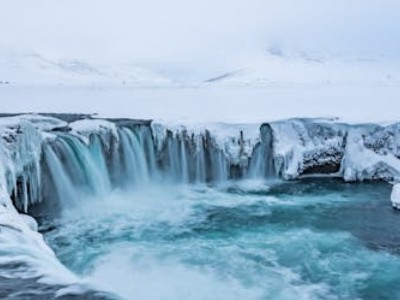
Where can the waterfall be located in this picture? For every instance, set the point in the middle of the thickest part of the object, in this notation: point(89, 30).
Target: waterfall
point(134, 160)
point(94, 173)
point(262, 162)
point(200, 167)
point(70, 165)
point(65, 189)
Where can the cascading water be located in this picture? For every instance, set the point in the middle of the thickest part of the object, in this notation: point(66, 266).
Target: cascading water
point(133, 158)
point(262, 162)
point(90, 167)
point(77, 167)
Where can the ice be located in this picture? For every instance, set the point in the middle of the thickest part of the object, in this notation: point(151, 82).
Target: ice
point(236, 140)
point(192, 151)
point(395, 197)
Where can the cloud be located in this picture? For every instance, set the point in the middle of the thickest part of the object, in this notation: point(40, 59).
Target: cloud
point(194, 34)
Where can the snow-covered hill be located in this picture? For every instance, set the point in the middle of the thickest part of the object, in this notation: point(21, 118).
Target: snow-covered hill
point(279, 68)
point(273, 68)
point(32, 69)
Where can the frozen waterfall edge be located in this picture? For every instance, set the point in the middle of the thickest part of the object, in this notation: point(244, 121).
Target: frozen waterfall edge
point(66, 155)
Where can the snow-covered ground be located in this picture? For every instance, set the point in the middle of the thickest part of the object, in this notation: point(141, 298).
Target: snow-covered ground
point(275, 85)
point(211, 104)
point(273, 68)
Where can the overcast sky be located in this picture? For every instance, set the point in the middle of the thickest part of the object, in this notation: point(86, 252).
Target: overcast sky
point(186, 35)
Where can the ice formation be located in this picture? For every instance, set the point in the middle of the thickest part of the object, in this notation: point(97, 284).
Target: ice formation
point(43, 154)
point(354, 152)
point(395, 197)
point(20, 179)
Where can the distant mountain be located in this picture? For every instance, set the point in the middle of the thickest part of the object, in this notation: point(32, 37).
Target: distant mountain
point(35, 69)
point(276, 67)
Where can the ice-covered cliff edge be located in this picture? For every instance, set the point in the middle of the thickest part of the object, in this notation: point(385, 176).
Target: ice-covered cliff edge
point(89, 151)
point(24, 253)
point(353, 152)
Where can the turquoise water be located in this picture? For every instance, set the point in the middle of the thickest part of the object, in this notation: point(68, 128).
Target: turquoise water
point(310, 239)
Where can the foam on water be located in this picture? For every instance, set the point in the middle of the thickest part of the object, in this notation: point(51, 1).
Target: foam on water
point(244, 241)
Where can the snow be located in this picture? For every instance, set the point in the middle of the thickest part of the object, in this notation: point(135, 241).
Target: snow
point(211, 104)
point(277, 68)
point(84, 128)
point(33, 69)
point(22, 245)
point(361, 163)
point(37, 121)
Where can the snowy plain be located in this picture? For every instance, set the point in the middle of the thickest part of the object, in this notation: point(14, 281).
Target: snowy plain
point(353, 104)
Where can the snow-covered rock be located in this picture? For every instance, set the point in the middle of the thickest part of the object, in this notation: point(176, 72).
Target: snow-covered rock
point(371, 153)
point(354, 152)
point(304, 146)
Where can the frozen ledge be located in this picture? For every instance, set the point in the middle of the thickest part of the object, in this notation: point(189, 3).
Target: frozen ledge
point(299, 147)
